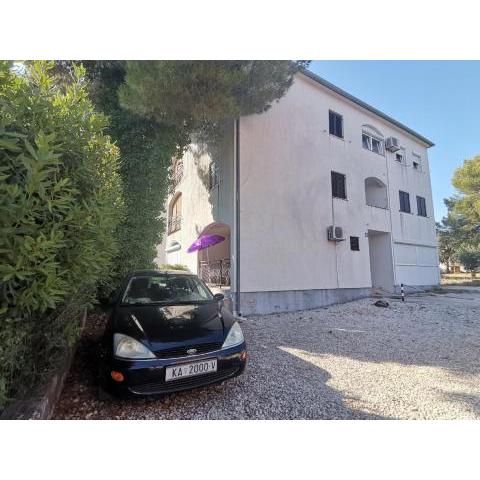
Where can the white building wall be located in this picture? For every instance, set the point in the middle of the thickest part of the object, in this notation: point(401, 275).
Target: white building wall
point(286, 158)
point(200, 205)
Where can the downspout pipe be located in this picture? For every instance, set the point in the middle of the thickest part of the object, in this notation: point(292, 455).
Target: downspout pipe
point(237, 216)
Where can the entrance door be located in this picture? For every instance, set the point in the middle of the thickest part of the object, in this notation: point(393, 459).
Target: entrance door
point(381, 263)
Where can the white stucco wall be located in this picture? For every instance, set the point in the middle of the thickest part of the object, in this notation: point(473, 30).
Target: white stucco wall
point(286, 158)
point(200, 205)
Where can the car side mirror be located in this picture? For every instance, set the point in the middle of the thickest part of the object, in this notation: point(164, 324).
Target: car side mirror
point(218, 297)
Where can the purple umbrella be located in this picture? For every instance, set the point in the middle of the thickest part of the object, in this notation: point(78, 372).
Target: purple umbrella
point(204, 241)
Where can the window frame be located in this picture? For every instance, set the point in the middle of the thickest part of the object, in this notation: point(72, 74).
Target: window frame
point(213, 175)
point(417, 159)
point(334, 173)
point(356, 243)
point(369, 147)
point(335, 115)
point(402, 198)
point(422, 212)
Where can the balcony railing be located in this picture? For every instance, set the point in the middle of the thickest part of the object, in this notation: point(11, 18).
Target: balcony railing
point(174, 224)
point(215, 272)
point(177, 176)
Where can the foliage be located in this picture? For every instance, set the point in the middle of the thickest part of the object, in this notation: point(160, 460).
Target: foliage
point(60, 202)
point(452, 233)
point(469, 257)
point(192, 94)
point(467, 181)
point(174, 266)
point(147, 149)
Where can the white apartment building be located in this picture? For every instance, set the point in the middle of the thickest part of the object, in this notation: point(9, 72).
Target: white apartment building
point(320, 199)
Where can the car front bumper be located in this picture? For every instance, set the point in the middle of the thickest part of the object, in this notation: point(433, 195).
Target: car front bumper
point(147, 377)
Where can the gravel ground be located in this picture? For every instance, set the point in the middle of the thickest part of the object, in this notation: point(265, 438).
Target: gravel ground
point(414, 360)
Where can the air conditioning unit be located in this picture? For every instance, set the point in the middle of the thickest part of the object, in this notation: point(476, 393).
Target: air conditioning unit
point(391, 144)
point(335, 234)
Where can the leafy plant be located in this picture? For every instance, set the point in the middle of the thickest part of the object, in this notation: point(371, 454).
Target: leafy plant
point(469, 257)
point(60, 204)
point(174, 266)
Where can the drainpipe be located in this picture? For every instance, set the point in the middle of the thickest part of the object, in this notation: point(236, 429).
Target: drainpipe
point(236, 161)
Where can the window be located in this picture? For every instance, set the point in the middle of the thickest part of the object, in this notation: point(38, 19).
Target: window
point(417, 162)
point(177, 172)
point(213, 175)
point(338, 185)
point(335, 124)
point(175, 214)
point(372, 143)
point(166, 289)
point(404, 202)
point(421, 207)
point(399, 157)
point(354, 244)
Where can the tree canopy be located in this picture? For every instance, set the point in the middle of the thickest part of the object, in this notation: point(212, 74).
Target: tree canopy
point(191, 94)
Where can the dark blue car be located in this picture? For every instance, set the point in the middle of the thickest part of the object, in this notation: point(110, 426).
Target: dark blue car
point(167, 332)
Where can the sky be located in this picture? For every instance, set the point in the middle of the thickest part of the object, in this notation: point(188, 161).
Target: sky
point(438, 99)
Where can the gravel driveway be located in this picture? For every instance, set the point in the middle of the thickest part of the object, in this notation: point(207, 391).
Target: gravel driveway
point(414, 360)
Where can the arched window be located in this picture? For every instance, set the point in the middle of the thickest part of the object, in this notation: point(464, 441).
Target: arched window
point(376, 193)
point(372, 139)
point(175, 214)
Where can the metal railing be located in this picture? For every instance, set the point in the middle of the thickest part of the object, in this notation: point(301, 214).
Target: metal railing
point(174, 224)
point(215, 272)
point(178, 174)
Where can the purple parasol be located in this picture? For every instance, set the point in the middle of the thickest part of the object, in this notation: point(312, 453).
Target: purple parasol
point(205, 241)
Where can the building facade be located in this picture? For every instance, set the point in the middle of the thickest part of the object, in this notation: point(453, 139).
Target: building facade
point(320, 199)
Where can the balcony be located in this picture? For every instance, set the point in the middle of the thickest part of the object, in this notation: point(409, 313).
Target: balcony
point(178, 174)
point(174, 224)
point(215, 272)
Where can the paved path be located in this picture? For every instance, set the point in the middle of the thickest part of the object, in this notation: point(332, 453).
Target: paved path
point(414, 360)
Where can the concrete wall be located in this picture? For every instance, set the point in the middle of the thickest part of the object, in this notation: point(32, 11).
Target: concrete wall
point(286, 158)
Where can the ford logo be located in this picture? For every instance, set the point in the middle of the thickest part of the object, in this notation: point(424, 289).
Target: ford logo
point(191, 351)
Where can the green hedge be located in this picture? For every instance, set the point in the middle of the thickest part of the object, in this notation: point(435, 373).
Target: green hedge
point(60, 205)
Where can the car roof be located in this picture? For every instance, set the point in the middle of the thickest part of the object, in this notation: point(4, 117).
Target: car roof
point(159, 272)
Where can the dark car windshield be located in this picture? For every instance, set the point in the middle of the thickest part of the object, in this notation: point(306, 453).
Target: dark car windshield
point(166, 288)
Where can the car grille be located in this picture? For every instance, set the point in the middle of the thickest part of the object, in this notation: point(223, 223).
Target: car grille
point(182, 351)
point(183, 384)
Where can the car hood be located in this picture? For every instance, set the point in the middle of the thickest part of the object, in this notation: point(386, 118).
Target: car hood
point(165, 327)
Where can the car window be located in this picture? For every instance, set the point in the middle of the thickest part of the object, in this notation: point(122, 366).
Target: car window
point(167, 288)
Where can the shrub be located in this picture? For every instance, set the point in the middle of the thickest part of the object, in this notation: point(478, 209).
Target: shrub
point(469, 257)
point(175, 266)
point(60, 204)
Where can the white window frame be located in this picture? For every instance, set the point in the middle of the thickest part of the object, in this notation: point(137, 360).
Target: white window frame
point(418, 160)
point(370, 139)
point(213, 174)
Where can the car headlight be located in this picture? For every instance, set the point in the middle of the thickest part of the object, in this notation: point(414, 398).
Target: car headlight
point(234, 337)
point(127, 347)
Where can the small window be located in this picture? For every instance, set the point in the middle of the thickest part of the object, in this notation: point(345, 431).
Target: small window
point(417, 162)
point(213, 176)
point(404, 202)
point(421, 207)
point(338, 185)
point(372, 143)
point(335, 124)
point(354, 244)
point(399, 157)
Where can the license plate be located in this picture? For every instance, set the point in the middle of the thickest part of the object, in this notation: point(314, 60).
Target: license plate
point(190, 369)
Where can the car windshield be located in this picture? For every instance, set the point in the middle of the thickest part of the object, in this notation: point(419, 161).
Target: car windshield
point(166, 288)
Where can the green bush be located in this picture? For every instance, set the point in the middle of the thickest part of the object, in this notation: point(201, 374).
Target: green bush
point(174, 266)
point(60, 204)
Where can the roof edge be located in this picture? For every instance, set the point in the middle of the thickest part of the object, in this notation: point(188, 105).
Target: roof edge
point(364, 105)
